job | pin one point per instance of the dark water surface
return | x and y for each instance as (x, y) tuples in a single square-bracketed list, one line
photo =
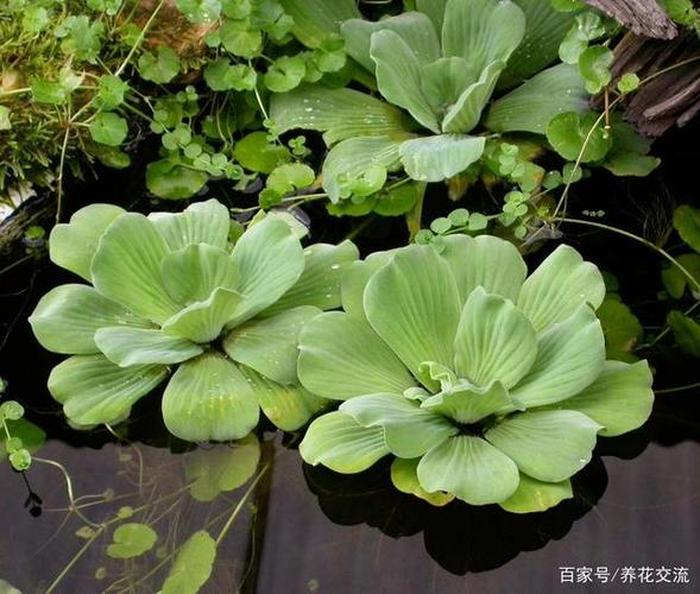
[(300, 530)]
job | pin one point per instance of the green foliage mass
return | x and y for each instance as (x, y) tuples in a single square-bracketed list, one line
[(171, 292), (483, 383)]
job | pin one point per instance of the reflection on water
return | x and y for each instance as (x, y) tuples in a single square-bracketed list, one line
[(303, 529)]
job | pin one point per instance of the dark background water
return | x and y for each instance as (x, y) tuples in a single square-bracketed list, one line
[(308, 530)]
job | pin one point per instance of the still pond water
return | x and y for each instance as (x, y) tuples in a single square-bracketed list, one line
[(291, 529)]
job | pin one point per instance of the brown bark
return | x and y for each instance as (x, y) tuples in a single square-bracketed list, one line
[(643, 17), (671, 93)]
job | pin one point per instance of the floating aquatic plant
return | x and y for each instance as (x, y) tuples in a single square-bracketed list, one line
[(440, 63), (483, 384), (171, 291)]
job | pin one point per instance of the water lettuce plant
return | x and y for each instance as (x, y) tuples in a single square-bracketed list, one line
[(484, 384), (171, 291), (437, 68)]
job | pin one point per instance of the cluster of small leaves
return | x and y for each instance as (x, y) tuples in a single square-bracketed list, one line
[(593, 60), (683, 12), (614, 145), (459, 220), (193, 149), (250, 29), (18, 455)]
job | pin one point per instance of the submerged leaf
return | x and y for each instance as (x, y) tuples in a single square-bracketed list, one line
[(192, 566), (131, 540), (210, 472)]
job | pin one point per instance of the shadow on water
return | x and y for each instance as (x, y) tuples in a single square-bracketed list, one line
[(461, 538)]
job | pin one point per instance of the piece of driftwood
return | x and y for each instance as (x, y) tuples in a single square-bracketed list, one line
[(643, 17), (670, 94), (40, 211)]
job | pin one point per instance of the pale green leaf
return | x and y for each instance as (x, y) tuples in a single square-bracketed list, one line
[(570, 356), (354, 281), (73, 245), (405, 478), (340, 357), (444, 80), (314, 20), (399, 76), (269, 345), (192, 566), (482, 31), (126, 267), (270, 260), (94, 390), (131, 540), (192, 273), (201, 222), (549, 445), (209, 399), (466, 403), (319, 284), (435, 158), (469, 468), (620, 398), (494, 341), (414, 28), (413, 304), (353, 158), (559, 286), (288, 407), (536, 496), (337, 441), (204, 321), (339, 113), (210, 472), (485, 261), (140, 346), (66, 318), (435, 9), (545, 28), (465, 114), (531, 106), (409, 430)]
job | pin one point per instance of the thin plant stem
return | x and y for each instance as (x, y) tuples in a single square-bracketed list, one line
[(677, 389), (691, 279)]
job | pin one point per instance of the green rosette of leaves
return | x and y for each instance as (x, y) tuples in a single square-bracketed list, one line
[(170, 293), (437, 68), (483, 384)]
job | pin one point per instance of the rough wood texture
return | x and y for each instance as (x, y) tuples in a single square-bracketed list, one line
[(40, 210), (643, 17), (672, 96)]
